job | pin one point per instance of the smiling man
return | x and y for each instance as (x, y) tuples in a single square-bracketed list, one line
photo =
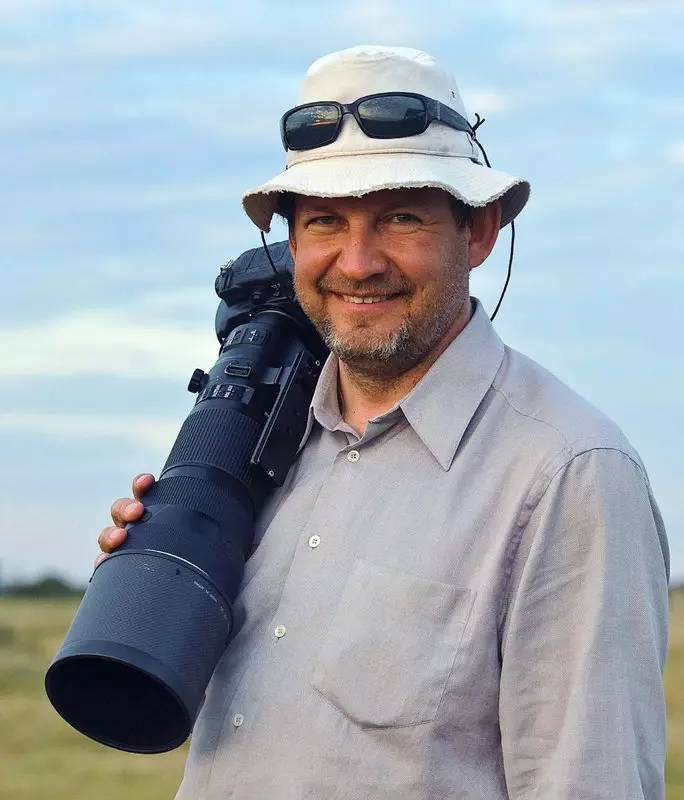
[(461, 589), (384, 278)]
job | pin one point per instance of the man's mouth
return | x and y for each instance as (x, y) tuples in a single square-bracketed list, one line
[(353, 298)]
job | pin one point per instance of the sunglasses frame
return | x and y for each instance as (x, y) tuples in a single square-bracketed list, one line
[(434, 111)]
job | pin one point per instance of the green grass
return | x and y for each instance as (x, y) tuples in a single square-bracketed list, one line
[(674, 692), (42, 758)]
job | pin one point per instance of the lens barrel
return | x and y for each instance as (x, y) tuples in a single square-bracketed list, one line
[(133, 668), (157, 614)]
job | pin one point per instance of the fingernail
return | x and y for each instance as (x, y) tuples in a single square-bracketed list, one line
[(131, 507)]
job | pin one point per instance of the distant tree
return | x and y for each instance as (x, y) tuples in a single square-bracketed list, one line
[(45, 586)]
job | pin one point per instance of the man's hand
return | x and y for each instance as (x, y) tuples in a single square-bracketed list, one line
[(124, 510)]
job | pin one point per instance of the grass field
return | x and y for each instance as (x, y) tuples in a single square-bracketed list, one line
[(42, 758)]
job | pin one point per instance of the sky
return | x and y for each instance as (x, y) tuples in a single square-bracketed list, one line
[(130, 130)]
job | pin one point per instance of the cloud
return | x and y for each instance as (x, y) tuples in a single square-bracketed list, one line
[(141, 340), (111, 31), (23, 236), (148, 432), (564, 16), (400, 23), (151, 195), (20, 10), (580, 190), (590, 41), (486, 101), (675, 153), (128, 33)]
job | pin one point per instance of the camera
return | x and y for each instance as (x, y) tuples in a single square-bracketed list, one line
[(157, 614)]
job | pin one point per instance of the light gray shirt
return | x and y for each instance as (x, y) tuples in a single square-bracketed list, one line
[(469, 601)]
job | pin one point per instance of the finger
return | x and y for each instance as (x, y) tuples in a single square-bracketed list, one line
[(100, 558), (111, 538), (142, 484), (126, 509)]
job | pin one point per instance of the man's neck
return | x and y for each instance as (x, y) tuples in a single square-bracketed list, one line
[(363, 397)]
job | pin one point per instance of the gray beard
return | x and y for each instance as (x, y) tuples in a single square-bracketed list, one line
[(405, 348), (385, 359)]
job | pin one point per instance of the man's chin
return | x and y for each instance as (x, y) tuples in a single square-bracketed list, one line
[(376, 354), (364, 346)]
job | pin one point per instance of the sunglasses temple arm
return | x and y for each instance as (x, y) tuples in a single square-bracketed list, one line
[(446, 114)]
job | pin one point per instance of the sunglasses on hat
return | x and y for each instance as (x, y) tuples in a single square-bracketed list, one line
[(387, 115)]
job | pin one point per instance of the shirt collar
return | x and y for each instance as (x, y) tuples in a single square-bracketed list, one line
[(440, 407), (325, 406)]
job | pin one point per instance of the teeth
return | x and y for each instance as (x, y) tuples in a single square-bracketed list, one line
[(348, 298)]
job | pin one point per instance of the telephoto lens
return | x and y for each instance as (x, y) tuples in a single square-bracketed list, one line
[(157, 614)]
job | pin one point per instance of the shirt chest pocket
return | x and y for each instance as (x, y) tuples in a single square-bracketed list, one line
[(390, 647)]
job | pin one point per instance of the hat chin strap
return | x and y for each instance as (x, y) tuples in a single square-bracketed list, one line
[(479, 122), (508, 275)]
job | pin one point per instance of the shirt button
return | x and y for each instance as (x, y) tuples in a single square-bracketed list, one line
[(353, 456), (238, 719), (315, 540), (280, 631)]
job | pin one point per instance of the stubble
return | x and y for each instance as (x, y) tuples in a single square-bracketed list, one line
[(427, 323)]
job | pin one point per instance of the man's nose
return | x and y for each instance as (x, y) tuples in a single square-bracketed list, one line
[(360, 257)]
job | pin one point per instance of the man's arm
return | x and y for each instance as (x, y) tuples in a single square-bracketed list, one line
[(582, 709)]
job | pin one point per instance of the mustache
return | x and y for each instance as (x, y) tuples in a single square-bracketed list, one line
[(378, 285)]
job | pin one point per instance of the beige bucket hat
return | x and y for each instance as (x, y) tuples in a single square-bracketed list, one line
[(355, 164)]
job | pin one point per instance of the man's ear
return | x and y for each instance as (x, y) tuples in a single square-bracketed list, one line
[(293, 243), (484, 232)]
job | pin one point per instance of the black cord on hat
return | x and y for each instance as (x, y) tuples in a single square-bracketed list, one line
[(268, 254), (479, 122)]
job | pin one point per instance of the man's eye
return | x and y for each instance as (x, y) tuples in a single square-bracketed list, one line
[(405, 219), (324, 221)]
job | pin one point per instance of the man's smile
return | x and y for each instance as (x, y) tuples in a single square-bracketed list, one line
[(365, 304), (351, 298)]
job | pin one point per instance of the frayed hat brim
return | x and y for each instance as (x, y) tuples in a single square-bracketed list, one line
[(354, 175)]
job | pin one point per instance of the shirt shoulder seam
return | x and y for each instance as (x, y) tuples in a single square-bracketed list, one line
[(530, 416)]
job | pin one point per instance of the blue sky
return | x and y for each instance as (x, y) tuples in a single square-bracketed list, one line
[(129, 132)]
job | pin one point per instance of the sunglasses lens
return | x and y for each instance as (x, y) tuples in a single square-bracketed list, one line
[(392, 116), (311, 127)]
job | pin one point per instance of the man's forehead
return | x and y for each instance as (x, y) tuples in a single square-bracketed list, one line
[(374, 200)]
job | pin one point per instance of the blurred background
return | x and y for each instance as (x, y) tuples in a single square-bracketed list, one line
[(129, 132)]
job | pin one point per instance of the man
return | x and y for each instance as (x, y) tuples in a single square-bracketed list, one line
[(461, 590)]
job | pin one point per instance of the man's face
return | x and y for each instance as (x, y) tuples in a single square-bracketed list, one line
[(400, 249)]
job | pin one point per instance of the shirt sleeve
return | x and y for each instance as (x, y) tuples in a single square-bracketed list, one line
[(582, 707)]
